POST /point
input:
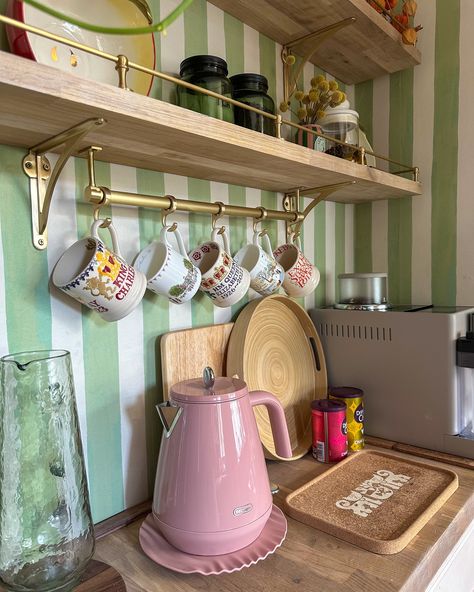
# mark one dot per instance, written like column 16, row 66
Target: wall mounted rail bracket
column 43, row 179
column 291, row 204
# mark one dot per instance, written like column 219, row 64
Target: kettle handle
column 277, row 421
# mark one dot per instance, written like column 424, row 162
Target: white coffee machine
column 416, row 367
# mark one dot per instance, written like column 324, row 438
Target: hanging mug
column 301, row 276
column 169, row 273
column 223, row 280
column 99, row 278
column 266, row 275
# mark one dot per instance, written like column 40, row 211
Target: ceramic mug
column 301, row 276
column 169, row 273
column 98, row 277
column 266, row 275
column 223, row 280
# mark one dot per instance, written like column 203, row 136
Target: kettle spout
column 169, row 415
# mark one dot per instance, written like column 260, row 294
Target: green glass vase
column 46, row 530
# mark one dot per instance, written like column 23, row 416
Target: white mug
column 98, row 277
column 301, row 276
column 266, row 275
column 223, row 280
column 169, row 273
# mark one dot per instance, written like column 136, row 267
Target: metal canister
column 329, row 430
column 354, row 400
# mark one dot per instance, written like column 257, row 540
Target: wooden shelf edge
column 39, row 101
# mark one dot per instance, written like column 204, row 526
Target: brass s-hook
column 168, row 211
column 107, row 221
column 216, row 217
column 261, row 218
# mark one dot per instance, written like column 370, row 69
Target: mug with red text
column 99, row 278
column 301, row 276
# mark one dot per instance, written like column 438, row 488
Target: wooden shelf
column 367, row 49
column 40, row 101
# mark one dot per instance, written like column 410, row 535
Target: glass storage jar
column 210, row 72
column 341, row 123
column 251, row 89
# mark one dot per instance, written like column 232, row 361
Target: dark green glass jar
column 209, row 72
column 251, row 89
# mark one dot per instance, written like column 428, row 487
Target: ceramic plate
column 112, row 13
column 161, row 552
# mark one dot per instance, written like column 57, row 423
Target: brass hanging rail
column 122, row 65
column 103, row 196
column 43, row 179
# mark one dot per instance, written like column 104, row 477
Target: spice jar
column 209, row 72
column 251, row 89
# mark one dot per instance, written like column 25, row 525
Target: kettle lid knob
column 208, row 377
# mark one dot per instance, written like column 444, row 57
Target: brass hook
column 261, row 218
column 107, row 221
column 216, row 217
column 168, row 211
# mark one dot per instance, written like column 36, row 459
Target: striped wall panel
column 425, row 243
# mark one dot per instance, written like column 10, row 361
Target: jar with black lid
column 210, row 72
column 251, row 89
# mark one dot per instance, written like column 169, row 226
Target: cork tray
column 374, row 500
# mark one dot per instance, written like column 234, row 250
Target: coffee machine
column 415, row 365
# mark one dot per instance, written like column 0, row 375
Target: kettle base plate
column 160, row 551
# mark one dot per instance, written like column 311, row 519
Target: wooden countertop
column 309, row 559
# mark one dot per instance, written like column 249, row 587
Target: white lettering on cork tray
column 371, row 494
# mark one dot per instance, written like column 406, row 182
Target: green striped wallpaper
column 117, row 366
column 425, row 243
column 419, row 115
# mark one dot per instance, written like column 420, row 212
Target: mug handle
column 267, row 245
column 222, row 232
column 113, row 233
column 179, row 239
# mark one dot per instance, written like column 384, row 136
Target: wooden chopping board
column 184, row 354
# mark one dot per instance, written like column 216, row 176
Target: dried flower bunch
column 400, row 21
column 312, row 105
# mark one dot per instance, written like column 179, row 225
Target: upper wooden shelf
column 39, row 101
column 365, row 50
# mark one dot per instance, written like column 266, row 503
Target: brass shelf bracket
column 43, row 180
column 291, row 204
column 290, row 82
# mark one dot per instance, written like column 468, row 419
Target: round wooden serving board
column 274, row 347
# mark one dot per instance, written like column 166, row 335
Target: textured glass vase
column 46, row 531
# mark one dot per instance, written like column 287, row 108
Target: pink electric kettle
column 212, row 494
